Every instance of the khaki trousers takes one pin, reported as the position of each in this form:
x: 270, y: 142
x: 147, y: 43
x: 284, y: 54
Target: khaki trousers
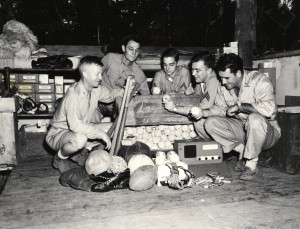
x: 257, y: 134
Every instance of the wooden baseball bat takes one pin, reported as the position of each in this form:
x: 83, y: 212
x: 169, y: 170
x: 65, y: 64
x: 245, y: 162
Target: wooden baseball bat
x: 113, y: 126
x: 122, y: 126
x: 114, y: 140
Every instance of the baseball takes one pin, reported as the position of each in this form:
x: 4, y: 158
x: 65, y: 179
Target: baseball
x: 156, y: 91
x: 195, y: 111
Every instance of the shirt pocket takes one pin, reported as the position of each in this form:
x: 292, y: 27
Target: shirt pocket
x: 247, y: 95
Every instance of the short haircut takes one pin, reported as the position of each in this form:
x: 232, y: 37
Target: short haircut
x: 170, y: 52
x: 131, y: 37
x: 231, y: 61
x: 89, y: 60
x: 208, y: 59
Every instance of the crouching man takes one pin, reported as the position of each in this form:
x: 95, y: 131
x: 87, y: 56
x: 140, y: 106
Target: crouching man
x: 250, y: 126
x: 76, y: 122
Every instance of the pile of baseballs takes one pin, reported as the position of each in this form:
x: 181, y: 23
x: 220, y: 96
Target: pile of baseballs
x: 161, y: 137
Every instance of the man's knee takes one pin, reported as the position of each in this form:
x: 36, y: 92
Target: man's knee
x: 79, y: 140
x: 255, y: 120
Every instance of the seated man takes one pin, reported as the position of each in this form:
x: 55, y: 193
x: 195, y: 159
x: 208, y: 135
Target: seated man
x: 117, y: 67
x: 203, y: 71
x: 249, y: 103
x: 75, y: 122
x: 171, y: 78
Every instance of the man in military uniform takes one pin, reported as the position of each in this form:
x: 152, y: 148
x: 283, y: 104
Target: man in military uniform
x: 250, y: 126
x: 171, y: 79
x: 207, y: 85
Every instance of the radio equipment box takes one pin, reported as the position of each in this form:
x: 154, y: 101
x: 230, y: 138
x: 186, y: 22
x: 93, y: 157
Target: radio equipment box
x: 198, y: 151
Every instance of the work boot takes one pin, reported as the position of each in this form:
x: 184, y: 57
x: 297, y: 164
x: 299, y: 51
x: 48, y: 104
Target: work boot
x: 63, y: 165
x: 76, y: 178
x: 119, y: 181
x: 248, y: 174
x: 240, y: 166
x: 80, y: 157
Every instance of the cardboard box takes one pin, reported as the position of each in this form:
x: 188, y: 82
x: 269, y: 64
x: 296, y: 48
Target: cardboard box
x: 43, y: 78
x: 25, y: 88
x: 59, y: 80
x: 59, y: 89
x: 42, y: 98
x: 44, y: 88
x: 28, y: 78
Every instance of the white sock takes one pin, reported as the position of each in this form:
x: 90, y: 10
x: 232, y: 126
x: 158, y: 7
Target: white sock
x: 61, y: 156
x: 252, y: 163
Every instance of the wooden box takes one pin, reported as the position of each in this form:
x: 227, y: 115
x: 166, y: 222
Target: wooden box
x: 285, y: 155
x: 32, y: 143
x: 8, y: 133
x: 149, y: 110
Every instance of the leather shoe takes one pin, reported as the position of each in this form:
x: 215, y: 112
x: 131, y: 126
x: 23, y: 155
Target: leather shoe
x: 118, y: 181
x: 248, y: 174
x: 240, y: 166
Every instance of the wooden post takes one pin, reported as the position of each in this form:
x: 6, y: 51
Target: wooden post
x: 245, y: 29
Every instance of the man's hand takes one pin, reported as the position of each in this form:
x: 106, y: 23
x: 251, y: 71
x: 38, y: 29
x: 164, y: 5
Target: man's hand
x: 196, y: 113
x: 105, y: 138
x: 190, y: 90
x: 169, y: 105
x: 232, y: 110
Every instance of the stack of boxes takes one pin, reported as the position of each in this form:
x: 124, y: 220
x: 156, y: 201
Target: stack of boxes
x: 44, y: 92
x: 39, y: 87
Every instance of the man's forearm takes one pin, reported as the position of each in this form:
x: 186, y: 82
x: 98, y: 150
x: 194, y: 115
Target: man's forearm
x: 207, y: 113
x: 182, y: 110
x: 247, y: 108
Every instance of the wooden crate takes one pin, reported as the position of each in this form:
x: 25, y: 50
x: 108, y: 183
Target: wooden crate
x: 33, y: 144
x: 149, y: 110
x: 8, y: 133
x: 285, y: 155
